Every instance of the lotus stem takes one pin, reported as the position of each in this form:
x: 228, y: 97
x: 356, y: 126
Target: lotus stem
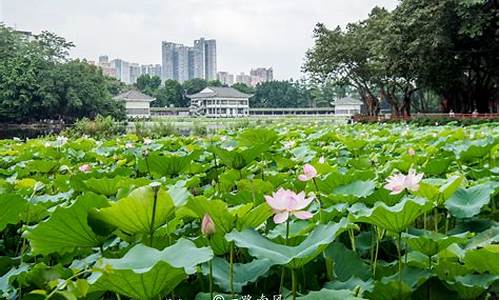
x: 147, y: 164
x: 319, y: 199
x: 282, y: 280
x: 425, y: 220
x: 376, y: 251
x: 398, y: 247
x: 216, y: 172
x: 231, y: 269
x: 152, y: 226
x: 436, y: 219
x: 446, y: 224
x: 294, y: 285
x: 210, y: 279
x: 353, y: 240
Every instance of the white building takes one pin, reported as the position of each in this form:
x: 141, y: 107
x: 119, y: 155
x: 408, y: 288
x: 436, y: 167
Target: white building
x: 347, y: 106
x: 136, y: 103
x: 219, y: 102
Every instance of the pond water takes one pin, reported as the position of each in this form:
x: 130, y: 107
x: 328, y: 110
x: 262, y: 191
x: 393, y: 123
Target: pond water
x: 24, y: 132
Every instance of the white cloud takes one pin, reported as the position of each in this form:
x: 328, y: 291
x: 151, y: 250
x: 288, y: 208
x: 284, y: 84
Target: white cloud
x: 249, y: 33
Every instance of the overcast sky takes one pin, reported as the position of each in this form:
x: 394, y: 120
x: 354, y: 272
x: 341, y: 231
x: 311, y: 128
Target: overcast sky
x: 249, y: 33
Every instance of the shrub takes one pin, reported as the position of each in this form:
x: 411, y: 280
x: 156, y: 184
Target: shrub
x: 100, y: 127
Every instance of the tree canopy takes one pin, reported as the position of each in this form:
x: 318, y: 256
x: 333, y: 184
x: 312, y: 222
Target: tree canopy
x: 447, y: 47
x: 280, y: 94
x: 38, y: 81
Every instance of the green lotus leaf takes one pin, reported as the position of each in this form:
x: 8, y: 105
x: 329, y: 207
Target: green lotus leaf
x: 430, y: 243
x: 41, y: 166
x: 449, y: 268
x: 255, y: 217
x: 238, y: 159
x: 482, y: 260
x: 427, y: 190
x: 166, y: 165
x: 291, y: 256
x: 5, y: 279
x: 133, y: 213
x: 389, y: 287
x: 329, y: 294
x: 471, y: 286
x: 12, y: 206
x: 393, y: 218
x: 357, y: 189
x: 252, y: 136
x: 67, y: 228
x: 470, y: 150
x: 179, y: 193
x: 450, y: 187
x: 110, y: 186
x: 243, y: 273
x: 217, y: 210
x: 486, y: 237
x: 347, y: 263
x: 352, y: 284
x: 147, y: 273
x: 435, y: 167
x: 466, y: 203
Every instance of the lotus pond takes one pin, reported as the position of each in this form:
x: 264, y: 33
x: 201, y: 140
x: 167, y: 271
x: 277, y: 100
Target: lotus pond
x: 277, y: 212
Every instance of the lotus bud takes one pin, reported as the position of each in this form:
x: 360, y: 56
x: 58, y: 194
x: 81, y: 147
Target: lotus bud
x: 207, y: 225
x: 85, y: 168
x: 411, y: 151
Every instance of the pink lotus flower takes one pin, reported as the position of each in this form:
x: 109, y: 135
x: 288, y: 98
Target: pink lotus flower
x: 412, y: 180
x: 398, y: 182
x: 309, y: 173
x: 85, y: 168
x: 285, y: 203
x: 207, y: 225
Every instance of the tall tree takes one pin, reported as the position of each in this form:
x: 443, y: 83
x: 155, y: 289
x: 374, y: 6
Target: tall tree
x: 280, y: 94
x: 240, y: 86
x: 37, y: 81
x: 148, y: 84
x: 447, y: 47
x: 171, y: 93
x: 194, y: 86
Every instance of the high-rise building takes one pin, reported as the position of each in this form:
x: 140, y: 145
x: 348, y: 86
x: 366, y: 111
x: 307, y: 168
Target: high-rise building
x: 157, y: 70
x: 244, y: 78
x: 210, y: 60
x: 225, y: 78
x: 182, y: 63
x: 168, y: 53
x: 259, y: 75
x: 122, y: 70
x: 135, y: 72
x: 151, y: 70
x: 103, y: 59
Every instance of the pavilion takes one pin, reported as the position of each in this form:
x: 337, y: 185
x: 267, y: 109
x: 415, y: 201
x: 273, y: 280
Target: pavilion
x: 137, y: 104
x: 219, y: 102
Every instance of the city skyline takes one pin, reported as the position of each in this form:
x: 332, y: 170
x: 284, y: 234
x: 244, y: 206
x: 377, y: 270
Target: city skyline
x: 249, y: 33
x: 180, y: 62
